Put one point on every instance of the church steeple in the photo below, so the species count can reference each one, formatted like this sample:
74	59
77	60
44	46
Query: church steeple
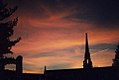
87	63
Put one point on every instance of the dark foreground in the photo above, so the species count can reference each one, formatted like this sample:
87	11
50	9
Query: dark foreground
99	73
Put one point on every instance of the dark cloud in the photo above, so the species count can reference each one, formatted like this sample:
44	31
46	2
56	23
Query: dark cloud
101	46
28	8
98	11
40	8
104	12
104	46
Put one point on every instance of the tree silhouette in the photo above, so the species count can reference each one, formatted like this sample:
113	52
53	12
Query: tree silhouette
116	59
6	31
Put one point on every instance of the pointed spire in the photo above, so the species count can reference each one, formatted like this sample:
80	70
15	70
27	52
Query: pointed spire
87	53
87	63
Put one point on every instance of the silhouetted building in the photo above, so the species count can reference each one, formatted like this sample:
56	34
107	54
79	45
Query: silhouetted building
97	73
87	63
88	72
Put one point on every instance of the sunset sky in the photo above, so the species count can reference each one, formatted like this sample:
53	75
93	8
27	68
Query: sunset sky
53	32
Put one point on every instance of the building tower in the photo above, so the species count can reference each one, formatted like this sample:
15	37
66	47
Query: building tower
87	63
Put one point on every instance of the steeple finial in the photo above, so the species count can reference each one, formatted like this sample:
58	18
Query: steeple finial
87	63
